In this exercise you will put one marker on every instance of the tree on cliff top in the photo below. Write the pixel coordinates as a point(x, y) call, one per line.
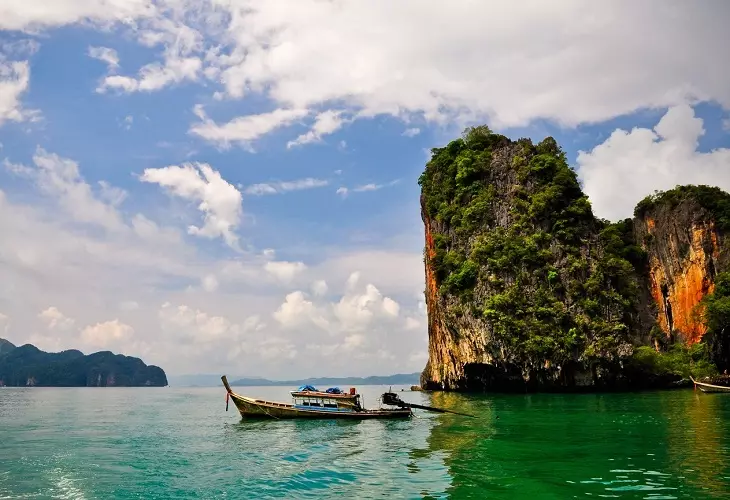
point(711, 198)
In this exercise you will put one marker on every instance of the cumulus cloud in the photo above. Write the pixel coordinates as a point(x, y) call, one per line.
point(106, 334)
point(411, 132)
point(319, 288)
point(296, 311)
point(219, 201)
point(544, 62)
point(55, 319)
point(438, 63)
point(629, 165)
point(285, 186)
point(201, 326)
point(356, 310)
point(49, 256)
point(283, 270)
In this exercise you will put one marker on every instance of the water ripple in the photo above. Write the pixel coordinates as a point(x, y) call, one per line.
point(180, 443)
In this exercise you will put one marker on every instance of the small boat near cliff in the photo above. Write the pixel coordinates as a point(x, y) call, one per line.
point(705, 387)
point(332, 403)
point(310, 404)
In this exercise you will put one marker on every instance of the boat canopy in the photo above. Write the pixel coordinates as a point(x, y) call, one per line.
point(307, 387)
point(334, 390)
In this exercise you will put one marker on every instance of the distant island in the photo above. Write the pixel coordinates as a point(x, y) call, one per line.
point(397, 379)
point(28, 366)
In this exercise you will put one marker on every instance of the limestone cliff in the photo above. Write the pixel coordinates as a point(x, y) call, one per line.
point(526, 289)
point(686, 249)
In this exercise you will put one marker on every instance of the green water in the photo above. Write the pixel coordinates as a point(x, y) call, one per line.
point(180, 443)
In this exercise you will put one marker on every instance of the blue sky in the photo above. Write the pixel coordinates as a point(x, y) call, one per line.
point(111, 115)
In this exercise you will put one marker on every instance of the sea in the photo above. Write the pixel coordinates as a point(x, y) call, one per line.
point(181, 443)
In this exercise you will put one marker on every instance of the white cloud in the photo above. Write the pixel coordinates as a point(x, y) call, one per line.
point(364, 188)
point(210, 283)
point(220, 202)
point(284, 271)
point(14, 82)
point(127, 122)
point(155, 76)
point(367, 187)
point(244, 129)
point(546, 61)
point(35, 14)
point(356, 310)
point(60, 178)
point(55, 319)
point(629, 165)
point(326, 123)
point(106, 334)
point(286, 186)
point(411, 132)
point(297, 311)
point(319, 288)
point(201, 326)
point(126, 276)
point(106, 55)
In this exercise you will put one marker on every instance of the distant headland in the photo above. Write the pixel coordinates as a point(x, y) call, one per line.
point(28, 366)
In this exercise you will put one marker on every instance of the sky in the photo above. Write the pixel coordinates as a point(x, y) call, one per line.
point(230, 186)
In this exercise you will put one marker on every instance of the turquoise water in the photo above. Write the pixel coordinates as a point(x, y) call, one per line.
point(151, 443)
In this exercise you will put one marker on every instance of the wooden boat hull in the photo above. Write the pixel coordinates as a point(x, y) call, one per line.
point(259, 408)
point(710, 388)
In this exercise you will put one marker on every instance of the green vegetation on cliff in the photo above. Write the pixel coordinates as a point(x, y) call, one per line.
point(517, 243)
point(717, 317)
point(531, 285)
point(713, 199)
point(28, 365)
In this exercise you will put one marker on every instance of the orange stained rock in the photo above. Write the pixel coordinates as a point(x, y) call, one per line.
point(685, 289)
point(431, 287)
point(650, 223)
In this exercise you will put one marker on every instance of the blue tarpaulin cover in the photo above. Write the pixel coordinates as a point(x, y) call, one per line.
point(306, 388)
point(334, 390)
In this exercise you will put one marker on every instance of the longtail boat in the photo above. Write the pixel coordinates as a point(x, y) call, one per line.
point(705, 387)
point(310, 404)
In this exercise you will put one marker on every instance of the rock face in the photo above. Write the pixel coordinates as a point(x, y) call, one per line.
point(686, 250)
point(526, 289)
